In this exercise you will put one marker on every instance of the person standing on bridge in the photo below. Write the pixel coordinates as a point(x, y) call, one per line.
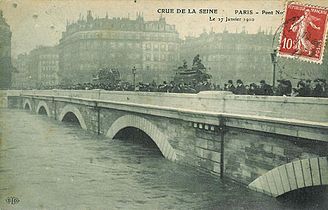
point(240, 88)
point(265, 89)
point(317, 90)
point(230, 86)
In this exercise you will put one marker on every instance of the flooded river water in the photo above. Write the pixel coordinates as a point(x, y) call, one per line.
point(48, 164)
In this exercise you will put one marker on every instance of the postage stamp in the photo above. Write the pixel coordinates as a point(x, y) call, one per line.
point(304, 32)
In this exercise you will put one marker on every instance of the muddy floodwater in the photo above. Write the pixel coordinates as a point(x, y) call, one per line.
point(48, 164)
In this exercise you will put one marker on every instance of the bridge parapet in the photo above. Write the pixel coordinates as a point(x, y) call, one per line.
point(4, 96)
point(296, 108)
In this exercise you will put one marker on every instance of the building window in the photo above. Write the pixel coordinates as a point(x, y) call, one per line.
point(147, 57)
point(156, 57)
point(163, 57)
point(163, 47)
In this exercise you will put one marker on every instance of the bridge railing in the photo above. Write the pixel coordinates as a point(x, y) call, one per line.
point(298, 108)
point(4, 96)
point(301, 108)
point(174, 100)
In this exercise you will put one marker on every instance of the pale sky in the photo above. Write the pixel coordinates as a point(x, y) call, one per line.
point(41, 22)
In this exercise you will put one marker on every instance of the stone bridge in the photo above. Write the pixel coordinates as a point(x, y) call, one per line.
point(273, 145)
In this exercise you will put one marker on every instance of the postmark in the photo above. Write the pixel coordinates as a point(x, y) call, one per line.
point(304, 33)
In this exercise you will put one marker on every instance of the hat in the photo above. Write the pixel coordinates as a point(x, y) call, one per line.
point(230, 81)
point(262, 81)
point(239, 81)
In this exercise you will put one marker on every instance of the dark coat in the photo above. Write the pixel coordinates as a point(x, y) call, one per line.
point(231, 88)
point(302, 92)
point(240, 90)
point(265, 89)
point(317, 91)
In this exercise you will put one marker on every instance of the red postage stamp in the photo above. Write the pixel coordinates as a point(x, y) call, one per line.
point(304, 32)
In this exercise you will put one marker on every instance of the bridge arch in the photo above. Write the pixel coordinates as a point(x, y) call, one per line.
point(45, 107)
point(72, 109)
point(27, 104)
point(292, 176)
point(147, 127)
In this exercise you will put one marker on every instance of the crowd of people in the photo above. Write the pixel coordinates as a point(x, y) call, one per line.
point(304, 88)
point(170, 87)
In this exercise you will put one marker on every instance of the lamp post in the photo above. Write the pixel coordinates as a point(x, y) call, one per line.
point(134, 77)
point(29, 81)
point(274, 63)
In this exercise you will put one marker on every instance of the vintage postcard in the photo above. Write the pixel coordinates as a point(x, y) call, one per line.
point(163, 104)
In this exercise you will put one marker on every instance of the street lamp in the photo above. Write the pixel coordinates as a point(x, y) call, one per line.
point(134, 77)
point(274, 63)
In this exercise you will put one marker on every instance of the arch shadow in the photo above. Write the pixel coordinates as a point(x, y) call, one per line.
point(27, 104)
point(76, 112)
point(299, 174)
point(148, 128)
point(43, 108)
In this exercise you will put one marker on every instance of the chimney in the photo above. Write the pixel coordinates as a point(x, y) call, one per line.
point(89, 16)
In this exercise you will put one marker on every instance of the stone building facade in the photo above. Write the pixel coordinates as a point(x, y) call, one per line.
point(231, 55)
point(5, 53)
point(21, 77)
point(38, 69)
point(247, 57)
point(122, 43)
point(44, 66)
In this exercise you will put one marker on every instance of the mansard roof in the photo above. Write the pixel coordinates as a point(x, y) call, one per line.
point(118, 24)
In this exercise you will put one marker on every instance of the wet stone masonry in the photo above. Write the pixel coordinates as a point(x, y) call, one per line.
point(267, 155)
point(245, 155)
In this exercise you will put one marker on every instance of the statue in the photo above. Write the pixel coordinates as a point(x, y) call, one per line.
point(196, 60)
point(185, 66)
point(200, 65)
